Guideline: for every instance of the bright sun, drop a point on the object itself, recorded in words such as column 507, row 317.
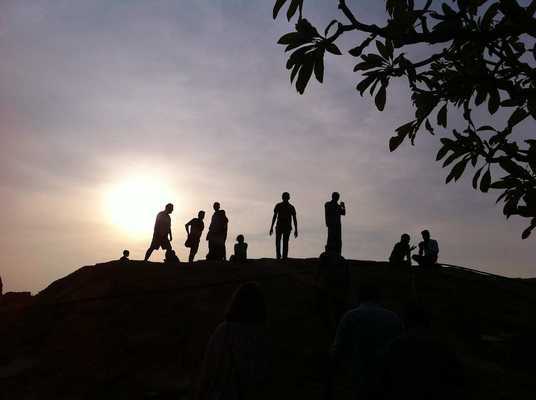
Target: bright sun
column 132, row 204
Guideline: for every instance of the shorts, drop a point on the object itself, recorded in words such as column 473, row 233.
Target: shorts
column 160, row 242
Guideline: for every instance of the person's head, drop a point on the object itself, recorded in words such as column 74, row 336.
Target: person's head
column 240, row 238
column 201, row 214
column 247, row 305
column 169, row 208
column 405, row 238
column 216, row 206
column 369, row 293
column 335, row 196
column 285, row 196
column 425, row 234
column 126, row 253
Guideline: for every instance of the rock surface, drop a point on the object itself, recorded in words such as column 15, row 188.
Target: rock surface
column 138, row 330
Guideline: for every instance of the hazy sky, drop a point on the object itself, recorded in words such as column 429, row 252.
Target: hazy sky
column 110, row 109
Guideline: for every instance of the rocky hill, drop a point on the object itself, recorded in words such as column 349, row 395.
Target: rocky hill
column 138, row 330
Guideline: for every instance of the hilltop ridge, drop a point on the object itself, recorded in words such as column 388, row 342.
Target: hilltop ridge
column 138, row 330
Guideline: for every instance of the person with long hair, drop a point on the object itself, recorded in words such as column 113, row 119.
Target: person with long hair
column 237, row 358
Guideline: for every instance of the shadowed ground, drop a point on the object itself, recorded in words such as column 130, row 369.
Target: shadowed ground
column 138, row 330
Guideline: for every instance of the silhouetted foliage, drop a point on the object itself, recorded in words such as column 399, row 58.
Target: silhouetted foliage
column 483, row 54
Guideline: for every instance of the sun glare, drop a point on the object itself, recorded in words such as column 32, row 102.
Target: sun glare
column 132, row 205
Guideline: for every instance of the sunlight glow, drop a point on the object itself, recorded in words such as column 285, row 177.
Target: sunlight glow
column 132, row 204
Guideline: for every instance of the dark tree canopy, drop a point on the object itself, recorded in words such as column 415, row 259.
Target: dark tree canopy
column 483, row 55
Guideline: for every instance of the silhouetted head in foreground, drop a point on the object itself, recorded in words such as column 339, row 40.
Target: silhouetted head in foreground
column 216, row 206
column 335, row 196
column 285, row 196
column 425, row 234
column 201, row 215
column 126, row 253
column 169, row 208
column 369, row 294
column 240, row 238
column 247, row 305
column 405, row 238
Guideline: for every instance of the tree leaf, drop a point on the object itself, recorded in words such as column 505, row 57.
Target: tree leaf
column 319, row 68
column 485, row 182
column 517, row 116
column 428, row 126
column 457, row 170
column 394, row 142
column 304, row 75
column 365, row 83
column 442, row 116
column 291, row 38
column 277, row 7
column 333, row 49
column 442, row 152
column 380, row 98
column 382, row 49
column 481, row 95
column 494, row 101
column 487, row 128
column 293, row 8
column 475, row 178
column 531, row 106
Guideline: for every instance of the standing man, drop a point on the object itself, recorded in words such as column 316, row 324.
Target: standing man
column 194, row 229
column 217, row 234
column 334, row 211
column 162, row 232
column 283, row 213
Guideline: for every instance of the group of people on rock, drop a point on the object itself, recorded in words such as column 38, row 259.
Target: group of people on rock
column 389, row 357
column 428, row 252
column 285, row 220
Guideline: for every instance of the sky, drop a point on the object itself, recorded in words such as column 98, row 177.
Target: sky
column 109, row 109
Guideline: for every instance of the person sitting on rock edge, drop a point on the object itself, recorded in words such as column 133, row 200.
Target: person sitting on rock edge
column 126, row 254
column 240, row 250
column 401, row 254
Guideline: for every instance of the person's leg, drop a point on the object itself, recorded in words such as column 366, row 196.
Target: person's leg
column 278, row 244
column 337, row 240
column 193, row 251
column 148, row 253
column 210, row 254
column 286, row 236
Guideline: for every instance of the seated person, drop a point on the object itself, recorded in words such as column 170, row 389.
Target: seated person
column 428, row 251
column 171, row 257
column 401, row 254
column 126, row 253
column 240, row 250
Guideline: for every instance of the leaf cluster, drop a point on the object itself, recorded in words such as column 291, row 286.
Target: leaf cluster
column 484, row 56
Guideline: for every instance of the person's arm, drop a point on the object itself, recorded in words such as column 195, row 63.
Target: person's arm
column 273, row 221
column 421, row 248
column 295, row 224
column 188, row 224
column 326, row 213
column 343, row 208
column 169, row 233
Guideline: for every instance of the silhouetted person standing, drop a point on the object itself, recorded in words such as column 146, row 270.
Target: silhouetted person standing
column 333, row 211
column 428, row 251
column 162, row 232
column 401, row 254
column 196, row 227
column 284, row 214
column 217, row 234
